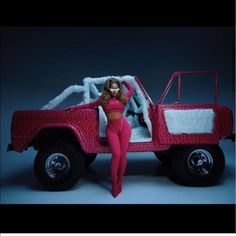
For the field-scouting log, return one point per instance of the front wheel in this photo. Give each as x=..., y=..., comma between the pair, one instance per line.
x=58, y=166
x=197, y=165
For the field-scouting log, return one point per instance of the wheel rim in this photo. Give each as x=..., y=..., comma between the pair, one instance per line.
x=200, y=162
x=57, y=165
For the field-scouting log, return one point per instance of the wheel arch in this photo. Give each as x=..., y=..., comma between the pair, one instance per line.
x=49, y=133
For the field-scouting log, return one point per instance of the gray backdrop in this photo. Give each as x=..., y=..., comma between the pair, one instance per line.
x=37, y=63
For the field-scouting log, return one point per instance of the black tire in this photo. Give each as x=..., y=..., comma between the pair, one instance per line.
x=163, y=156
x=89, y=159
x=197, y=165
x=58, y=166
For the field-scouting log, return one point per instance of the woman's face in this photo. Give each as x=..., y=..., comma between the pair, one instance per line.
x=114, y=89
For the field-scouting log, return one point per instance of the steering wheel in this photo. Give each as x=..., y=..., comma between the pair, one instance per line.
x=140, y=117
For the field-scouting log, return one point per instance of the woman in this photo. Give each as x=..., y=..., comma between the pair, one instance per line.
x=118, y=130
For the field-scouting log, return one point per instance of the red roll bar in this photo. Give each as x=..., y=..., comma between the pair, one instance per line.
x=177, y=75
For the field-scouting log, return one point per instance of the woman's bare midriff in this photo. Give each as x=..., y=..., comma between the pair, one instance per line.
x=114, y=115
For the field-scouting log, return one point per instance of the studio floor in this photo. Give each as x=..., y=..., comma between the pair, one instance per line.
x=146, y=182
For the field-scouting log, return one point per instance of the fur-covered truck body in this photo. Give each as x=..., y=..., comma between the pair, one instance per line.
x=35, y=127
x=184, y=135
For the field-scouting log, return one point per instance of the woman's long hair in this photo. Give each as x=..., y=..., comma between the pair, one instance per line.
x=106, y=94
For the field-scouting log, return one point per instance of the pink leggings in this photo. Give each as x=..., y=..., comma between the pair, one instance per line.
x=118, y=132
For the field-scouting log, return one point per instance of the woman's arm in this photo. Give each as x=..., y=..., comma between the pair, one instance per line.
x=84, y=106
x=130, y=89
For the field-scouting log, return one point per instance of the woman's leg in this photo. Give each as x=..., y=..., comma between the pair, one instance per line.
x=124, y=137
x=114, y=144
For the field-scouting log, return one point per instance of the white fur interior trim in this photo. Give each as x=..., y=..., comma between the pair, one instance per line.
x=139, y=133
x=102, y=122
x=144, y=102
x=192, y=121
x=61, y=97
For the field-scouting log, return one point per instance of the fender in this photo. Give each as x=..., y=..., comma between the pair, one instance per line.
x=23, y=143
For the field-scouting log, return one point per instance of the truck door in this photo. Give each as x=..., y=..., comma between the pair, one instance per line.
x=181, y=122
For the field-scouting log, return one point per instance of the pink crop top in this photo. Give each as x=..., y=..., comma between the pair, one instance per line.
x=112, y=105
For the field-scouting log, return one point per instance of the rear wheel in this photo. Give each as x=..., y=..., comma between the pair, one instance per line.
x=197, y=165
x=58, y=166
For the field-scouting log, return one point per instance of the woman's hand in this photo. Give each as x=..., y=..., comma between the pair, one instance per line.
x=130, y=89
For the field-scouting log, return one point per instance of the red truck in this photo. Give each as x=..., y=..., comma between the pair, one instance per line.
x=186, y=136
